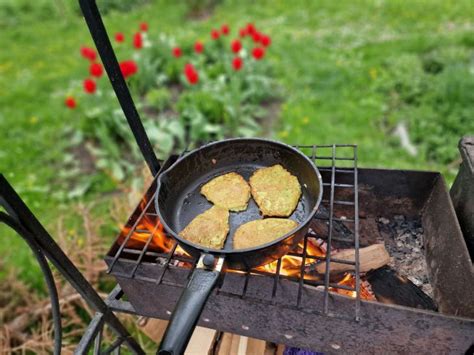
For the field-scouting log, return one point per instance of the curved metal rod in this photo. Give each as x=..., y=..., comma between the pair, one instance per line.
x=48, y=276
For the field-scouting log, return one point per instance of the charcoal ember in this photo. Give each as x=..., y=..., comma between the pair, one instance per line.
x=403, y=238
x=390, y=287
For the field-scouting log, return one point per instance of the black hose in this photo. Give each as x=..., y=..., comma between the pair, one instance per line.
x=48, y=276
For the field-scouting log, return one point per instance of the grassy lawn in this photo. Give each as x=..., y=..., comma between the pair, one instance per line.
x=350, y=71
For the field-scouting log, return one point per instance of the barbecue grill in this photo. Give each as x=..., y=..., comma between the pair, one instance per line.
x=286, y=301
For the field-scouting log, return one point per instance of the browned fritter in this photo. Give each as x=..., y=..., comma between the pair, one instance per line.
x=275, y=191
x=229, y=191
x=261, y=231
x=208, y=229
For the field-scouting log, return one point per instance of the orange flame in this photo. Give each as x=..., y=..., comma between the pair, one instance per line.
x=349, y=280
x=149, y=227
x=160, y=242
x=291, y=265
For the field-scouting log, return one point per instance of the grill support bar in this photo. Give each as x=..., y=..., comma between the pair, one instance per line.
x=107, y=55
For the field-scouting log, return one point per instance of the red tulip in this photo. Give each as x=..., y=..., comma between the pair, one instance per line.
x=198, y=47
x=258, y=53
x=215, y=34
x=88, y=53
x=128, y=68
x=138, y=40
x=193, y=78
x=191, y=74
x=143, y=27
x=188, y=68
x=250, y=28
x=95, y=69
x=119, y=37
x=237, y=63
x=257, y=36
x=70, y=102
x=225, y=29
x=236, y=46
x=266, y=40
x=242, y=32
x=89, y=86
x=177, y=52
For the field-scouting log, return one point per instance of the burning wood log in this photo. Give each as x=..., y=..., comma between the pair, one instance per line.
x=391, y=288
x=342, y=236
x=370, y=258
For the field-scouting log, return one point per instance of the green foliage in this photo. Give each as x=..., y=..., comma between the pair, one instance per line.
x=105, y=6
x=159, y=99
x=434, y=93
x=204, y=102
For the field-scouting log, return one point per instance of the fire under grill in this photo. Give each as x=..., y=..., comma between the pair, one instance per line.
x=297, y=300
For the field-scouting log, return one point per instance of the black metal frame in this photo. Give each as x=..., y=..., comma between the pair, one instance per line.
x=107, y=55
x=290, y=310
x=19, y=218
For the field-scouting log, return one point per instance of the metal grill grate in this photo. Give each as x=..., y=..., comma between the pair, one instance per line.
x=143, y=240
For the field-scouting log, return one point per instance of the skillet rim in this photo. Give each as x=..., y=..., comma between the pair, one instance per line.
x=223, y=252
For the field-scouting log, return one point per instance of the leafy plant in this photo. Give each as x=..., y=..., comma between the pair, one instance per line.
x=187, y=94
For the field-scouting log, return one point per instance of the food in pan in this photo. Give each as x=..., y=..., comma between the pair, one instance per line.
x=261, y=231
x=208, y=229
x=229, y=191
x=275, y=191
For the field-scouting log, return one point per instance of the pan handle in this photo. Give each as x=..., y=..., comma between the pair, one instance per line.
x=190, y=305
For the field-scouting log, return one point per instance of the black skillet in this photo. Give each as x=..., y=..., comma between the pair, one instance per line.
x=178, y=201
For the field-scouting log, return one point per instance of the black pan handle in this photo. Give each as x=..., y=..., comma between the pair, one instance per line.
x=190, y=305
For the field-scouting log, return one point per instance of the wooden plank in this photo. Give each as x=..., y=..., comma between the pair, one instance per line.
x=201, y=341
x=153, y=328
x=256, y=346
x=370, y=258
x=233, y=344
x=225, y=343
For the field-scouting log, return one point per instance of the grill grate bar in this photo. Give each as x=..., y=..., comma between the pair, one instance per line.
x=339, y=185
x=356, y=238
x=328, y=251
x=130, y=233
x=276, y=278
x=167, y=263
x=302, y=271
x=142, y=253
x=338, y=219
x=339, y=202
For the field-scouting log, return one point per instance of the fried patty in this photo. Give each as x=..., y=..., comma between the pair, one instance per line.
x=229, y=191
x=208, y=229
x=261, y=231
x=275, y=191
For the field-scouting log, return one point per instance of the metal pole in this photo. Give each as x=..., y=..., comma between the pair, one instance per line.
x=21, y=214
x=107, y=54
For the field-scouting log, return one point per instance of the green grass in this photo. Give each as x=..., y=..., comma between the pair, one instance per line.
x=336, y=61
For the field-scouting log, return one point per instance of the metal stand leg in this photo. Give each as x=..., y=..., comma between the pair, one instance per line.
x=23, y=222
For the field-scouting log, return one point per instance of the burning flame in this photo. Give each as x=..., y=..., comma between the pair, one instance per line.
x=291, y=265
x=148, y=227
x=349, y=280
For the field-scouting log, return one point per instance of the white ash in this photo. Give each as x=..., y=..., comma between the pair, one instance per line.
x=403, y=238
